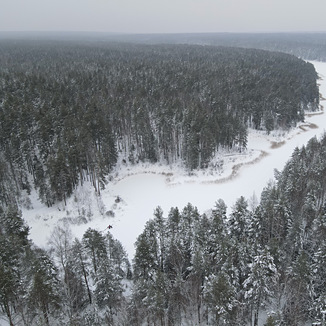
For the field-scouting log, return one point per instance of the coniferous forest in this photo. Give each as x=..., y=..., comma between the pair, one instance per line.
x=70, y=110
x=189, y=268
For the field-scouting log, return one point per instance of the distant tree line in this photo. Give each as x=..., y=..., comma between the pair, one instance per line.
x=306, y=45
x=68, y=110
x=216, y=268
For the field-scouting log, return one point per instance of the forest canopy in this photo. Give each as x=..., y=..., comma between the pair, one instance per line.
x=215, y=268
x=309, y=46
x=68, y=110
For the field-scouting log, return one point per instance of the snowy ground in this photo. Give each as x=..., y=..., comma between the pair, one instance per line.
x=142, y=188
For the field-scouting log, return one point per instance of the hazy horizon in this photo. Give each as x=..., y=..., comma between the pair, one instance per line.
x=158, y=17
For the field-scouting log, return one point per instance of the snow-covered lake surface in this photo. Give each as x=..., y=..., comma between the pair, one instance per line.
x=145, y=187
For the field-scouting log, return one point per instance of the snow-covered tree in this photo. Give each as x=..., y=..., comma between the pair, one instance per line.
x=261, y=282
x=14, y=247
x=239, y=220
x=219, y=295
x=44, y=294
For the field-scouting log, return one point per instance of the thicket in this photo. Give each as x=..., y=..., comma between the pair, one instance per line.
x=204, y=269
x=68, y=110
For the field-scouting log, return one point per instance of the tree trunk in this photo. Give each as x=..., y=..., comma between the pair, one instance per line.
x=45, y=313
x=8, y=312
x=198, y=311
x=256, y=318
x=85, y=278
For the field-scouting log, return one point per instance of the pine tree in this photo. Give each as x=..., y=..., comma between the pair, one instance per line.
x=296, y=309
x=318, y=269
x=217, y=243
x=219, y=296
x=159, y=222
x=95, y=246
x=73, y=289
x=146, y=260
x=238, y=221
x=147, y=266
x=174, y=269
x=82, y=266
x=108, y=288
x=261, y=282
x=44, y=294
x=13, y=248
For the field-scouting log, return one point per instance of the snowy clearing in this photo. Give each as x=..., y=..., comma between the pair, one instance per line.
x=135, y=191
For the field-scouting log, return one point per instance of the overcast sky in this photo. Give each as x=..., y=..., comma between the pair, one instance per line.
x=163, y=16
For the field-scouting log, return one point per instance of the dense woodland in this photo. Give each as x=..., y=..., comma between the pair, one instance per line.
x=306, y=45
x=310, y=46
x=68, y=110
x=189, y=268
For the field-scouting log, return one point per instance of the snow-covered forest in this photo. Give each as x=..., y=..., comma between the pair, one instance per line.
x=310, y=46
x=76, y=107
x=76, y=114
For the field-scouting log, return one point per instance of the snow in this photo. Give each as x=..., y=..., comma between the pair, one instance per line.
x=143, y=187
x=3, y=321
